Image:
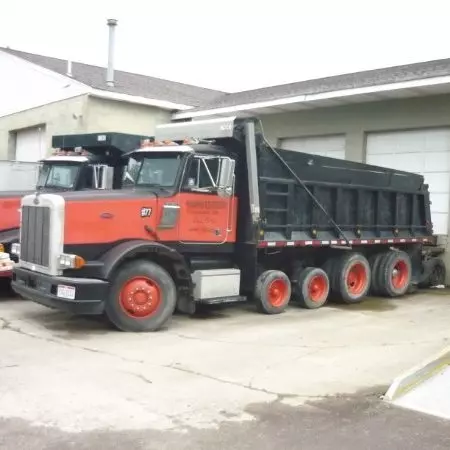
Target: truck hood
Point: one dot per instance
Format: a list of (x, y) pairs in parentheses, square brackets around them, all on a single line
[(106, 195), (94, 217)]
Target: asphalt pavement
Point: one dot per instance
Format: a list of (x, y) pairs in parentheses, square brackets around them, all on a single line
[(228, 378)]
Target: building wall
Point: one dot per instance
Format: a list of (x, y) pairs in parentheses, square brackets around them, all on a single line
[(80, 114), (358, 119), (65, 116), (25, 85), (110, 115)]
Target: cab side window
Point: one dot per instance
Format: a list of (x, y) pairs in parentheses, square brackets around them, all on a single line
[(88, 177), (202, 175)]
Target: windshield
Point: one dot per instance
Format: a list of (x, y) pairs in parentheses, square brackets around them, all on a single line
[(60, 176), (155, 170)]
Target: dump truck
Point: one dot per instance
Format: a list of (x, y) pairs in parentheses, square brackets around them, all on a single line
[(218, 215), (79, 162)]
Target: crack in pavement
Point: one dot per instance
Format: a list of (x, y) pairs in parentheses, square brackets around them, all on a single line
[(140, 377), (9, 327), (6, 325), (278, 395)]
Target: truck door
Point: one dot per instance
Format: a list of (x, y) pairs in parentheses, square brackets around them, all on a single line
[(207, 214)]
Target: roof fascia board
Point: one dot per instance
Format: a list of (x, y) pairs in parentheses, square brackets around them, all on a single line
[(316, 97), (163, 104)]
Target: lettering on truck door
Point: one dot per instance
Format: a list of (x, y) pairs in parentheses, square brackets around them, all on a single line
[(205, 217)]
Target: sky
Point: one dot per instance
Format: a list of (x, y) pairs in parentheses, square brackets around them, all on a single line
[(233, 45)]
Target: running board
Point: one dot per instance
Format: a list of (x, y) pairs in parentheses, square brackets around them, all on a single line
[(222, 300)]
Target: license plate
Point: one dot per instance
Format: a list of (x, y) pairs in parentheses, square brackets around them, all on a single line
[(66, 292)]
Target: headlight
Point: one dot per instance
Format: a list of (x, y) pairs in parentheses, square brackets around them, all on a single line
[(2, 248), (15, 249), (71, 261)]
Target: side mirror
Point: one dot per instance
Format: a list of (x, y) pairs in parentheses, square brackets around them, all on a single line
[(103, 177), (226, 177)]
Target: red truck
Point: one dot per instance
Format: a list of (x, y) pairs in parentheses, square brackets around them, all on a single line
[(217, 215), (80, 162)]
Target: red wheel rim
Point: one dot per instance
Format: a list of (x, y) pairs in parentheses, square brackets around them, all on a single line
[(400, 274), (317, 288), (140, 297), (357, 279), (277, 292)]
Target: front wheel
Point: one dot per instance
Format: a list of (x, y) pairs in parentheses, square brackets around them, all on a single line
[(142, 297)]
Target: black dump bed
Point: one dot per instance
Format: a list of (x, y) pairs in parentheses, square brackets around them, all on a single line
[(103, 146), (304, 196)]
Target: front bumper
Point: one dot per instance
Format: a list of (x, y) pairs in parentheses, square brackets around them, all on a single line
[(90, 294)]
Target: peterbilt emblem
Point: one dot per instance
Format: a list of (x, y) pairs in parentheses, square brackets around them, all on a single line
[(36, 199)]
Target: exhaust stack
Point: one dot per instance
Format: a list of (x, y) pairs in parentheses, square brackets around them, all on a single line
[(69, 68), (112, 23)]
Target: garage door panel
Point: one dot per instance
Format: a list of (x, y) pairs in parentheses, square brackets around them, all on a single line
[(437, 182), (436, 161), (440, 203), (396, 162), (424, 151), (437, 140), (331, 146), (418, 141), (440, 221), (30, 144)]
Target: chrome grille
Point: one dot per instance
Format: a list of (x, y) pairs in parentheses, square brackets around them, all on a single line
[(35, 235)]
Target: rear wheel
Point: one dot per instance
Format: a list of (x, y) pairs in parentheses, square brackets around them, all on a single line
[(312, 288), (374, 262), (142, 297), (351, 278), (394, 274), (272, 292), (437, 273)]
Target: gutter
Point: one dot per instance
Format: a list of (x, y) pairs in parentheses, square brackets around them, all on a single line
[(163, 104), (309, 98)]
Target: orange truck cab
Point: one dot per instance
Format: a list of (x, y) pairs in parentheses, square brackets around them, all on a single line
[(80, 162), (215, 214)]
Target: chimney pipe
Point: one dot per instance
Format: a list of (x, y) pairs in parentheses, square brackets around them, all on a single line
[(69, 68), (112, 23)]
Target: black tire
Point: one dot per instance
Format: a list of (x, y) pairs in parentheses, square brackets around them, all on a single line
[(437, 273), (351, 276), (312, 288), (266, 303), (374, 262), (330, 268), (137, 314), (390, 284)]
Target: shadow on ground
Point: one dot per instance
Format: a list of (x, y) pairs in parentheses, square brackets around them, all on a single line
[(347, 422)]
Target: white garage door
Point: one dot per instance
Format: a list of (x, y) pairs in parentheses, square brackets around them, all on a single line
[(426, 152), (30, 144), (332, 146)]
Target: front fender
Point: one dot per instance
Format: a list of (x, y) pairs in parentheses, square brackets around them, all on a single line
[(129, 249)]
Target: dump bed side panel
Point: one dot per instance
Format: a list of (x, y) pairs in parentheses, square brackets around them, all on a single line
[(363, 201)]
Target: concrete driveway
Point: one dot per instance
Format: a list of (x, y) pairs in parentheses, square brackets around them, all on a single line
[(72, 382)]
